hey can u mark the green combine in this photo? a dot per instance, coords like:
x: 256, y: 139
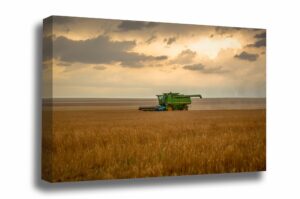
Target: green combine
x: 171, y: 101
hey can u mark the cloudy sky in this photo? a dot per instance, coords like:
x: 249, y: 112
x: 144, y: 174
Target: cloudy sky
x: 115, y: 58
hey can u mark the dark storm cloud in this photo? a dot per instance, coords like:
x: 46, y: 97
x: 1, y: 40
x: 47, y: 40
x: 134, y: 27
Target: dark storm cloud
x: 194, y: 67
x: 261, y: 40
x: 187, y: 53
x: 247, y: 56
x: 95, y: 50
x: 226, y: 30
x: 261, y: 35
x: 47, y: 48
x: 230, y: 31
x: 258, y: 44
x: 100, y: 50
x: 64, y: 20
x: 170, y: 40
x: 184, y: 57
x: 203, y: 69
x: 135, y: 25
x: 163, y: 57
x: 151, y: 39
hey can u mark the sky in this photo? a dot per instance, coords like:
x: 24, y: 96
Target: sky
x: 102, y: 58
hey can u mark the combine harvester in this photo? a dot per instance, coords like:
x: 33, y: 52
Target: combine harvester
x: 171, y: 101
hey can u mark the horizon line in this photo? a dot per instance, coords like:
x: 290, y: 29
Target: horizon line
x: 140, y: 97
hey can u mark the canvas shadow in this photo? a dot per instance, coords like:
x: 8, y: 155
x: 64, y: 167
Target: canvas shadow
x: 44, y: 186
x: 37, y: 103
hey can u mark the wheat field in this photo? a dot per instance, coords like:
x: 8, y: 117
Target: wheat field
x: 114, y: 144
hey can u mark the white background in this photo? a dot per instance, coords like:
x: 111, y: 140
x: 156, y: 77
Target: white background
x: 19, y: 123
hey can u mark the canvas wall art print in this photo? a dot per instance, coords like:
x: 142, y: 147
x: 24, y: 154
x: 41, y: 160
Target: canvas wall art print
x: 133, y: 99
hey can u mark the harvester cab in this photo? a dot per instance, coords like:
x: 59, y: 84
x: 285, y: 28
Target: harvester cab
x: 171, y: 101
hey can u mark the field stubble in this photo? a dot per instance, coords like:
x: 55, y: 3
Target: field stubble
x: 107, y: 144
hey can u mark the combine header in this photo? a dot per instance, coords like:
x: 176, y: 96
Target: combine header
x: 171, y: 101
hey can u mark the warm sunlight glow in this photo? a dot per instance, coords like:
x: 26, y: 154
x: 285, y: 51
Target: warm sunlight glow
x: 211, y: 47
